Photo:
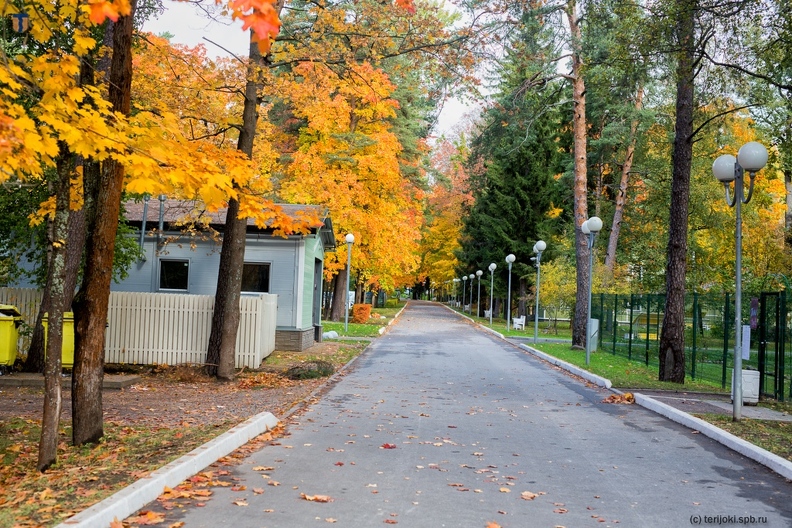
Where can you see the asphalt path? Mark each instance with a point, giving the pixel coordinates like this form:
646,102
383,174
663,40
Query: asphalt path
442,424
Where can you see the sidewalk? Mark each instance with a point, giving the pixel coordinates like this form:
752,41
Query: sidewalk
437,395
704,403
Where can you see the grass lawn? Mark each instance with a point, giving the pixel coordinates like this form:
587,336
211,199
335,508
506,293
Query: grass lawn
380,317
560,330
622,372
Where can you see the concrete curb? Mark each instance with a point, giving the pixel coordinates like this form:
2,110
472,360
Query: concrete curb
130,499
780,465
127,501
593,378
487,328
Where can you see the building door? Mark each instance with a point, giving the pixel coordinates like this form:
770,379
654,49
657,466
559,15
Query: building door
317,300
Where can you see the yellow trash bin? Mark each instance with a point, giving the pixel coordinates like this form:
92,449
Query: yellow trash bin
10,319
67,348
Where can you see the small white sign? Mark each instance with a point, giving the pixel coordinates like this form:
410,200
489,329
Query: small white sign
746,342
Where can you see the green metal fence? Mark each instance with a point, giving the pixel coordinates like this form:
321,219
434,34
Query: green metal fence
630,326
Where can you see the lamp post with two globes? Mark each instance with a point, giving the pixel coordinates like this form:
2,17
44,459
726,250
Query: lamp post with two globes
471,277
464,290
479,273
510,258
538,248
751,157
590,227
492,268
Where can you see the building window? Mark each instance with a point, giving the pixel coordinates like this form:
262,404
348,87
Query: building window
174,275
255,277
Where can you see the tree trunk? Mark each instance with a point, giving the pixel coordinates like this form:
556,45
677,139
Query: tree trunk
76,236
581,179
56,275
672,335
621,196
225,320
521,306
340,295
90,309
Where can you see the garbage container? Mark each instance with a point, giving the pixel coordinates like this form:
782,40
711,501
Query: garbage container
750,387
10,319
67,348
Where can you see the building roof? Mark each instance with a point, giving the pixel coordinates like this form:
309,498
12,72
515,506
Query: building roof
179,211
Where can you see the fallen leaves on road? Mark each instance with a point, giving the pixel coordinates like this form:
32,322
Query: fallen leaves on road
147,518
527,495
626,398
388,446
317,498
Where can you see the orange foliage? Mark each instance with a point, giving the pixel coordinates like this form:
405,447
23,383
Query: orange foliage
348,159
361,313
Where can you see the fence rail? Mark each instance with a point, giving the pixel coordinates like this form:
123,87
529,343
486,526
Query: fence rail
630,326
164,328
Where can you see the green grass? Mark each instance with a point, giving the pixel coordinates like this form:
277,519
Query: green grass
355,329
773,436
380,317
622,372
561,330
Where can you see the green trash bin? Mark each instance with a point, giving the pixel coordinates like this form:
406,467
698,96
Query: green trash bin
10,319
67,347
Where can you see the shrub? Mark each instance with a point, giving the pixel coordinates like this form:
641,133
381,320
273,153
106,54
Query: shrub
361,313
310,370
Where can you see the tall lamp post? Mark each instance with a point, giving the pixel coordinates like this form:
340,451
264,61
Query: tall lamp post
751,157
590,227
538,248
350,239
510,258
456,299
479,273
464,288
471,277
491,268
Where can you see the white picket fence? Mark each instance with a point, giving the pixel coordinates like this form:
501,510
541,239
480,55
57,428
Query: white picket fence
164,328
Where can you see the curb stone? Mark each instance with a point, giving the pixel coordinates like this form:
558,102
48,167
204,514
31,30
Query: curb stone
128,500
780,465
770,460
585,374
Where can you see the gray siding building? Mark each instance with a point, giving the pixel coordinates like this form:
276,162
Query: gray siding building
181,254
179,260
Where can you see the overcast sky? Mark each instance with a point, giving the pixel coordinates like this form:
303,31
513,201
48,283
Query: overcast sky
191,26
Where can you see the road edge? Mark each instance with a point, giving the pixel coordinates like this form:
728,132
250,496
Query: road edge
770,460
130,499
